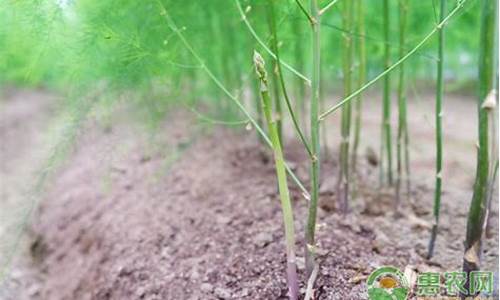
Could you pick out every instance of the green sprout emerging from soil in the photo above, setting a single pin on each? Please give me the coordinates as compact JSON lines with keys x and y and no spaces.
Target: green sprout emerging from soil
{"x":286,"y":204}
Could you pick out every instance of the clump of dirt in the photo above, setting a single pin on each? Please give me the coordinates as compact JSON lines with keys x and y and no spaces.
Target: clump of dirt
{"x":209,"y":226}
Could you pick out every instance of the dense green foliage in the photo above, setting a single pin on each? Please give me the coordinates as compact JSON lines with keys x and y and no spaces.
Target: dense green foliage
{"x":128,"y":44}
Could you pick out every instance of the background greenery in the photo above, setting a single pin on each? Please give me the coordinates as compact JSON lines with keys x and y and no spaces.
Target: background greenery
{"x":73,"y":46}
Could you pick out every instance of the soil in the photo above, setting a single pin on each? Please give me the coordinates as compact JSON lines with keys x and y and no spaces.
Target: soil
{"x":192,"y":212}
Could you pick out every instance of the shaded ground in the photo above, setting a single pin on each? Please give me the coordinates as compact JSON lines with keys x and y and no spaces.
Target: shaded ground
{"x":24,"y":117}
{"x":192,"y":213}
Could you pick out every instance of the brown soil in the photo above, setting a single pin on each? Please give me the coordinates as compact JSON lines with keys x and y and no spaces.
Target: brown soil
{"x":193,"y":213}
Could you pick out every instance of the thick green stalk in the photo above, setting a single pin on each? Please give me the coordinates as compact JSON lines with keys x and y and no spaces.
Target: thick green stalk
{"x":361,"y":79}
{"x":274,"y":74}
{"x":279,"y":75}
{"x":407,"y":158}
{"x":257,"y":107}
{"x":493,"y":103}
{"x":402,"y":108}
{"x":286,"y":204}
{"x":478,"y":207}
{"x":386,"y":113}
{"x":323,"y":126}
{"x":439,"y":133}
{"x":491,"y":192}
{"x":343,"y":186}
{"x":315,"y":144}
{"x":494,"y":154}
{"x":277,"y":103}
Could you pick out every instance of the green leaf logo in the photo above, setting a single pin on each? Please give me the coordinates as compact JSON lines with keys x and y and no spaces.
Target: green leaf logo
{"x":387,"y":283}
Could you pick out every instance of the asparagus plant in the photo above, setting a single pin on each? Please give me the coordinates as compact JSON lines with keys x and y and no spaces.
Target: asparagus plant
{"x":282,"y":178}
{"x":278,"y":72}
{"x":343,"y":187}
{"x":386,"y":136}
{"x":493,"y":104}
{"x":493,"y":111}
{"x":361,"y":52}
{"x":315,"y":19}
{"x":401,"y":146}
{"x":439,"y":133}
{"x":257,"y":107}
{"x":276,"y":93}
{"x":478,"y":207}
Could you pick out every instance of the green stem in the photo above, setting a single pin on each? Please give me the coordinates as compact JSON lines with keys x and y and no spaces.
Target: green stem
{"x":402,"y":107}
{"x":304,"y":10}
{"x":279,"y":75}
{"x":277,"y":103}
{"x":361,"y":79}
{"x":343,"y":187}
{"x":478,"y":207}
{"x":327,"y":7}
{"x":439,"y":133}
{"x":386,"y":115}
{"x":353,"y":95}
{"x":491,"y":193}
{"x":286,"y":205}
{"x":493,"y":158}
{"x":315,"y":144}
{"x":407,"y":158}
{"x":258,"y":107}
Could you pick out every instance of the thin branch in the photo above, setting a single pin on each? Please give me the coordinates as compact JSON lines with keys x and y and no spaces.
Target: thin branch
{"x":367,"y":37}
{"x":263,"y":45}
{"x":210,"y":120}
{"x":328,"y":6}
{"x":306,"y":13}
{"x":395,"y":65}
{"x":275,"y":47}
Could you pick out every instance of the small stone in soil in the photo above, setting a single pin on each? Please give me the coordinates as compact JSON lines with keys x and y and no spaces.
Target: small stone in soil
{"x":206,"y":287}
{"x":223,"y":219}
{"x":263,"y":239}
{"x":222,"y":293}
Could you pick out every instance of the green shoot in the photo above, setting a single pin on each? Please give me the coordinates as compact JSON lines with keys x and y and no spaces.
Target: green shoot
{"x":286,"y":205}
{"x":487,"y":74}
{"x":343,"y":184}
{"x":439,"y":133}
{"x":386,"y":134}
{"x":401,"y":146}
{"x":279,"y":75}
{"x":315,"y":143}
{"x":361,"y":51}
